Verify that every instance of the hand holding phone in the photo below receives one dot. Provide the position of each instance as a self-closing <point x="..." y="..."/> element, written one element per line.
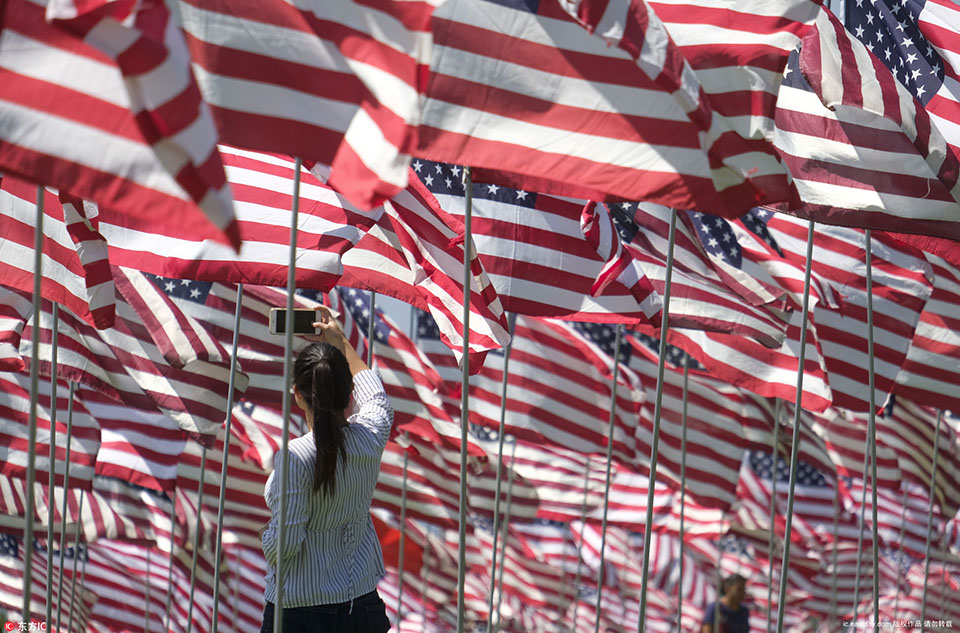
<point x="303" y="320"/>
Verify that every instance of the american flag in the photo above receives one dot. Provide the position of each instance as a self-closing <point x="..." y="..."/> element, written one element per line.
<point x="76" y="271"/>
<point x="348" y="74"/>
<point x="262" y="188"/>
<point x="526" y="242"/>
<point x="566" y="118"/>
<point x="16" y="308"/>
<point x="71" y="123"/>
<point x="879" y="148"/>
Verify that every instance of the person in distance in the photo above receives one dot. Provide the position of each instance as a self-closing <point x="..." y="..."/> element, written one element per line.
<point x="331" y="556"/>
<point x="734" y="615"/>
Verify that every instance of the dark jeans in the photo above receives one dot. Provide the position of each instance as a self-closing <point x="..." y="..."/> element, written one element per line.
<point x="368" y="615"/>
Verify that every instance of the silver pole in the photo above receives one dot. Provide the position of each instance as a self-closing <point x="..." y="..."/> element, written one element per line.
<point x="403" y="535"/>
<point x="606" y="489"/>
<point x="773" y="507"/>
<point x="146" y="595"/>
<point x="34" y="394"/>
<point x="683" y="484"/>
<point x="76" y="555"/>
<point x="228" y="425"/>
<point x="287" y="370"/>
<point x="506" y="533"/>
<point x="926" y="549"/>
<point x="872" y="429"/>
<point x="862" y="521"/>
<point x="196" y="538"/>
<point x="655" y="443"/>
<point x="371" y="327"/>
<point x="500" y="438"/>
<point x="64" y="508"/>
<point x="464" y="398"/>
<point x="795" y="448"/>
<point x="583" y="520"/>
<point x="51" y="485"/>
<point x="173" y="546"/>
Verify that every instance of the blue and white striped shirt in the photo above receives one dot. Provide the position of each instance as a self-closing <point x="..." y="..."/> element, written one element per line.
<point x="331" y="551"/>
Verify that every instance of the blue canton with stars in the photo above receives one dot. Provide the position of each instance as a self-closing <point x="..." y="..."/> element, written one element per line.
<point x="675" y="355"/>
<point x="807" y="475"/>
<point x="605" y="337"/>
<point x="196" y="291"/>
<point x="445" y="179"/>
<point x="427" y="326"/>
<point x="622" y="214"/>
<point x="889" y="29"/>
<point x="719" y="240"/>
<point x="358" y="302"/>
<point x="9" y="545"/>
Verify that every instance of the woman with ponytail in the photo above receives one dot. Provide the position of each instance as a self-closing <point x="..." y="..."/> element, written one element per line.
<point x="331" y="555"/>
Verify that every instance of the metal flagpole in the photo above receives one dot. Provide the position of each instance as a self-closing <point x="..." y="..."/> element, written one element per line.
<point x="173" y="546"/>
<point x="862" y="520"/>
<point x="196" y="538"/>
<point x="506" y="531"/>
<point x="512" y="319"/>
<point x="773" y="507"/>
<point x="64" y="508"/>
<point x="228" y="424"/>
<point x="655" y="443"/>
<point x="51" y="496"/>
<point x="464" y="397"/>
<point x="287" y="370"/>
<point x="371" y="327"/>
<point x="34" y="394"/>
<point x="606" y="487"/>
<point x="76" y="554"/>
<point x="83" y="577"/>
<point x="583" y="519"/>
<point x="683" y="484"/>
<point x="795" y="448"/>
<point x="146" y="595"/>
<point x="872" y="428"/>
<point x="403" y="533"/>
<point x="926" y="548"/>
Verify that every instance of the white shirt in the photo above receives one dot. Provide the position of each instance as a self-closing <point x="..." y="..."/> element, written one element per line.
<point x="331" y="551"/>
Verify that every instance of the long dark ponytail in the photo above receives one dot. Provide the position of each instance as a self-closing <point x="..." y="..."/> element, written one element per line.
<point x="323" y="377"/>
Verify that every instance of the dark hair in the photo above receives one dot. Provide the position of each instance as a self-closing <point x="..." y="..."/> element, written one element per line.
<point x="323" y="377"/>
<point x="730" y="581"/>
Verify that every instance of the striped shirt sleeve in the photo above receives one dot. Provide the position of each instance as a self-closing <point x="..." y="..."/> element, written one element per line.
<point x="374" y="410"/>
<point x="299" y="489"/>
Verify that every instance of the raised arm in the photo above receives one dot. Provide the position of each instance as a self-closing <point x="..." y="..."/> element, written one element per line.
<point x="330" y="332"/>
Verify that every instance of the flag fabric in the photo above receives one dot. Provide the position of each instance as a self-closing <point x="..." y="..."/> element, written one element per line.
<point x="15" y="310"/>
<point x="598" y="229"/>
<point x="879" y="128"/>
<point x="532" y="248"/>
<point x="262" y="188"/>
<point x="70" y="123"/>
<point x="350" y="83"/>
<point x="76" y="271"/>
<point x="564" y="119"/>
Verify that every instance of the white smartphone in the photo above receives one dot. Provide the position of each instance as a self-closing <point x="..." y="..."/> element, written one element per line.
<point x="303" y="320"/>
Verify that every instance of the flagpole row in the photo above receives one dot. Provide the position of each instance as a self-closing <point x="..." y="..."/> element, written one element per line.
<point x="173" y="546"/>
<point x="658" y="409"/>
<point x="683" y="484"/>
<point x="403" y="532"/>
<point x="464" y="398"/>
<point x="29" y="503"/>
<point x="606" y="486"/>
<point x="63" y="506"/>
<point x="795" y="448"/>
<point x="583" y="519"/>
<point x="926" y="547"/>
<point x="76" y="555"/>
<point x="371" y="327"/>
<point x="51" y="482"/>
<point x="287" y="371"/>
<point x="862" y="519"/>
<point x="512" y="319"/>
<point x="872" y="427"/>
<point x="773" y="508"/>
<point x="228" y="425"/>
<point x="196" y="537"/>
<point x="506" y="532"/>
